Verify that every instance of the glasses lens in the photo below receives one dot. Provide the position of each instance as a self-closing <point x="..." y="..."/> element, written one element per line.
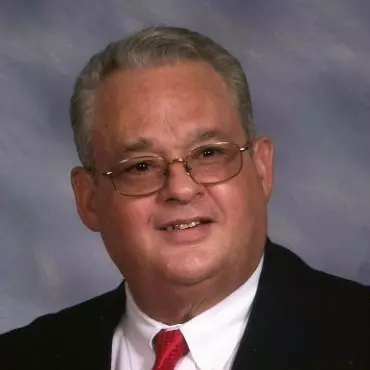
<point x="214" y="163"/>
<point x="139" y="176"/>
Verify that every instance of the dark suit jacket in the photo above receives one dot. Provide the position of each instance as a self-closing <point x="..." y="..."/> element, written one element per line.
<point x="300" y="319"/>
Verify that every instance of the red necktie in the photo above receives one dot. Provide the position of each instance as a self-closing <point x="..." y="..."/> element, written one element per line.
<point x="169" y="346"/>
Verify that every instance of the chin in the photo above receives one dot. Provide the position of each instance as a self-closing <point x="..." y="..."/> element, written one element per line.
<point x="193" y="270"/>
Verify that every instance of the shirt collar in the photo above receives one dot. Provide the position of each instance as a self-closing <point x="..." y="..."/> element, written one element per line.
<point x="212" y="336"/>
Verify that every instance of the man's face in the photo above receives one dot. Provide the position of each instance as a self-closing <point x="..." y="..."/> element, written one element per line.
<point x="174" y="109"/>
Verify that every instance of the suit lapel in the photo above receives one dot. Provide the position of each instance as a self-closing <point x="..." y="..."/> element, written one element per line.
<point x="93" y="329"/>
<point x="272" y="339"/>
<point x="102" y="335"/>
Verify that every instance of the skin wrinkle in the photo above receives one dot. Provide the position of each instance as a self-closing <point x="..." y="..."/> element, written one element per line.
<point x="144" y="147"/>
<point x="167" y="106"/>
<point x="145" y="95"/>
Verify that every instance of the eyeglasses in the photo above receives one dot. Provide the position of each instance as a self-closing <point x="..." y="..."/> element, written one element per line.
<point x="208" y="164"/>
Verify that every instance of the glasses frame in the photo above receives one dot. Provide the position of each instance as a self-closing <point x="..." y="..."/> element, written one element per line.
<point x="184" y="161"/>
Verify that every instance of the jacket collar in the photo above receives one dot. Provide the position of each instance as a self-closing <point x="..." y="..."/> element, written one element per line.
<point x="272" y="337"/>
<point x="274" y="326"/>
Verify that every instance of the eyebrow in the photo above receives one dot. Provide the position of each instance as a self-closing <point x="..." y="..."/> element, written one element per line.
<point x="200" y="135"/>
<point x="138" y="145"/>
<point x="197" y="136"/>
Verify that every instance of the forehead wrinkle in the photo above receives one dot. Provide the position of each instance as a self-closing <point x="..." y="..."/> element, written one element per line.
<point x="182" y="119"/>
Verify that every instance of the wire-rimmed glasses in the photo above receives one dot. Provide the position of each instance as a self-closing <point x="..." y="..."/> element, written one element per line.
<point x="207" y="164"/>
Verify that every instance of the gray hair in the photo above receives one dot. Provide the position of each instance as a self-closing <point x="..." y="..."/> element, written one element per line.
<point x="151" y="47"/>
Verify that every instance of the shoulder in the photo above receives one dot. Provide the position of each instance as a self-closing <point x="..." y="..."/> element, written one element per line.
<point x="329" y="303"/>
<point x="81" y="312"/>
<point x="49" y="333"/>
<point x="328" y="316"/>
<point x="318" y="282"/>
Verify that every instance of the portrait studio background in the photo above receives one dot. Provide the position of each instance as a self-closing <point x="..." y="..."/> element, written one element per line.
<point x="308" y="64"/>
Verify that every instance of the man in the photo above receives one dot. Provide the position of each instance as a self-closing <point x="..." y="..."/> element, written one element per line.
<point x="177" y="184"/>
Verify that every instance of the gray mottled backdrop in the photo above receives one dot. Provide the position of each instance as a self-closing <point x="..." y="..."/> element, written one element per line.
<point x="308" y="63"/>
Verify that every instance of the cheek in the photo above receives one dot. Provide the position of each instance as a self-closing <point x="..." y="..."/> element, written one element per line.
<point x="240" y="201"/>
<point x="126" y="220"/>
<point x="232" y="198"/>
<point x="125" y="230"/>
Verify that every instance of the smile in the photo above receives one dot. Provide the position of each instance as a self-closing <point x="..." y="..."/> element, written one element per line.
<point x="186" y="232"/>
<point x="183" y="226"/>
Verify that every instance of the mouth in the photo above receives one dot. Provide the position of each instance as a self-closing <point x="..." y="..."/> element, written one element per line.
<point x="180" y="225"/>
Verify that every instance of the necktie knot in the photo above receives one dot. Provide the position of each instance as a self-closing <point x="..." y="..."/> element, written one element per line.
<point x="169" y="347"/>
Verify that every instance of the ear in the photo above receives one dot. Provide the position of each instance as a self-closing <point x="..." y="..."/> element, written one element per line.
<point x="84" y="190"/>
<point x="263" y="156"/>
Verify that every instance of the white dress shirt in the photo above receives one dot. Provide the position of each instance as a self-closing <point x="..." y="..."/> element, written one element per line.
<point x="213" y="337"/>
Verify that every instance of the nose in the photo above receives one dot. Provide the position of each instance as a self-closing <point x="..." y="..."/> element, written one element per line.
<point x="179" y="184"/>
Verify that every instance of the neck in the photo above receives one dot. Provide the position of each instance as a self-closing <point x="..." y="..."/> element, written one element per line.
<point x="173" y="303"/>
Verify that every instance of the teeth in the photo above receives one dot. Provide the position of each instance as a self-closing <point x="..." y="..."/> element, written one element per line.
<point x="183" y="226"/>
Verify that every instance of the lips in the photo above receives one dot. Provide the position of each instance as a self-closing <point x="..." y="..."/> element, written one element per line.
<point x="184" y="224"/>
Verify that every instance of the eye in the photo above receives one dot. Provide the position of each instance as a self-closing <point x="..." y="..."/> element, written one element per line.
<point x="136" y="167"/>
<point x="140" y="167"/>
<point x="209" y="152"/>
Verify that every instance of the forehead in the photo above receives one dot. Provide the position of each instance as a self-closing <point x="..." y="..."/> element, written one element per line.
<point x="164" y="106"/>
